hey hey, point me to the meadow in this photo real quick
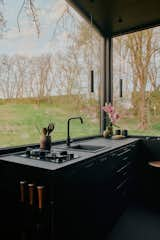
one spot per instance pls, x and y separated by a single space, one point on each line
21 123
132 124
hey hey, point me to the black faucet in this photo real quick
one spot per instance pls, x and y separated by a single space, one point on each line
68 129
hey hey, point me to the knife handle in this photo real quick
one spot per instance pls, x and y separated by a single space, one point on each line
31 187
22 191
40 190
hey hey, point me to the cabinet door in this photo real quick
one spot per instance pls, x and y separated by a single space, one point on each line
123 180
119 199
9 220
19 219
76 200
103 194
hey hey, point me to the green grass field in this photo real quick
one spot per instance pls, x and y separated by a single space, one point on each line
19 123
132 125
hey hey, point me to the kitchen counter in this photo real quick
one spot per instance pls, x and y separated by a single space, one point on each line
81 193
83 154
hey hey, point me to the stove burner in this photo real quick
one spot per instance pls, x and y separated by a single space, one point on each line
59 156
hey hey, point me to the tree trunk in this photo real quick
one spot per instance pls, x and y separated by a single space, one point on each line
143 111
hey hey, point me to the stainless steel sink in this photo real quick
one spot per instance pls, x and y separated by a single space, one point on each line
85 147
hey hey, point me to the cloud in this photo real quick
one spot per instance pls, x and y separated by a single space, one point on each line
54 12
26 48
26 41
25 31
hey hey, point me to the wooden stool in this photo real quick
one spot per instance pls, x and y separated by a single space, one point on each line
154 164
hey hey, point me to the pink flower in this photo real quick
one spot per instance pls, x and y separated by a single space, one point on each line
111 113
108 108
114 117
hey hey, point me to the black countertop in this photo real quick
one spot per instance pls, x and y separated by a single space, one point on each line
83 155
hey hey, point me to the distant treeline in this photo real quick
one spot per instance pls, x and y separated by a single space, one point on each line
35 100
73 100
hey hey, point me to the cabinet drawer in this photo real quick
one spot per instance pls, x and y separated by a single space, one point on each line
123 152
122 176
127 170
120 197
122 159
123 185
123 167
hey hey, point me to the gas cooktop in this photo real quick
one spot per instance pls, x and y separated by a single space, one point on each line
55 156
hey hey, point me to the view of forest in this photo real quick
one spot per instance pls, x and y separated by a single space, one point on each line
137 63
47 52
46 57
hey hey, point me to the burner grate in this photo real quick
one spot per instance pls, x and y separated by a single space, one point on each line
54 156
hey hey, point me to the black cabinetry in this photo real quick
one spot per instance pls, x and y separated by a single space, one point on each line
151 147
150 175
94 193
124 180
25 219
76 200
82 200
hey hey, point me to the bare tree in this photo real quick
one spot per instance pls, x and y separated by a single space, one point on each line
140 50
30 8
2 19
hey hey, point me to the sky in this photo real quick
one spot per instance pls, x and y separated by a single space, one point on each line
26 42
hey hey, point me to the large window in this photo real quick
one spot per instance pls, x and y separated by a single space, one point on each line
136 61
47 52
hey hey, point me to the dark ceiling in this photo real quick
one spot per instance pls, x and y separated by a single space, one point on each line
114 17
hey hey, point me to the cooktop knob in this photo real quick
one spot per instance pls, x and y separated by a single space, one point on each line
63 153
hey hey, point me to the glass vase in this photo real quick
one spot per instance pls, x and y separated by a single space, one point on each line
109 131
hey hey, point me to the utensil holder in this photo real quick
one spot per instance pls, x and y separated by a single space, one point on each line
45 143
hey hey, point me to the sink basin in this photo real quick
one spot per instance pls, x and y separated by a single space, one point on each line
85 147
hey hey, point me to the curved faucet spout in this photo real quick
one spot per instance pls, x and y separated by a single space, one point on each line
68 141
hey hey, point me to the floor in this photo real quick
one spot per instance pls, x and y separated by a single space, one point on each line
140 221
